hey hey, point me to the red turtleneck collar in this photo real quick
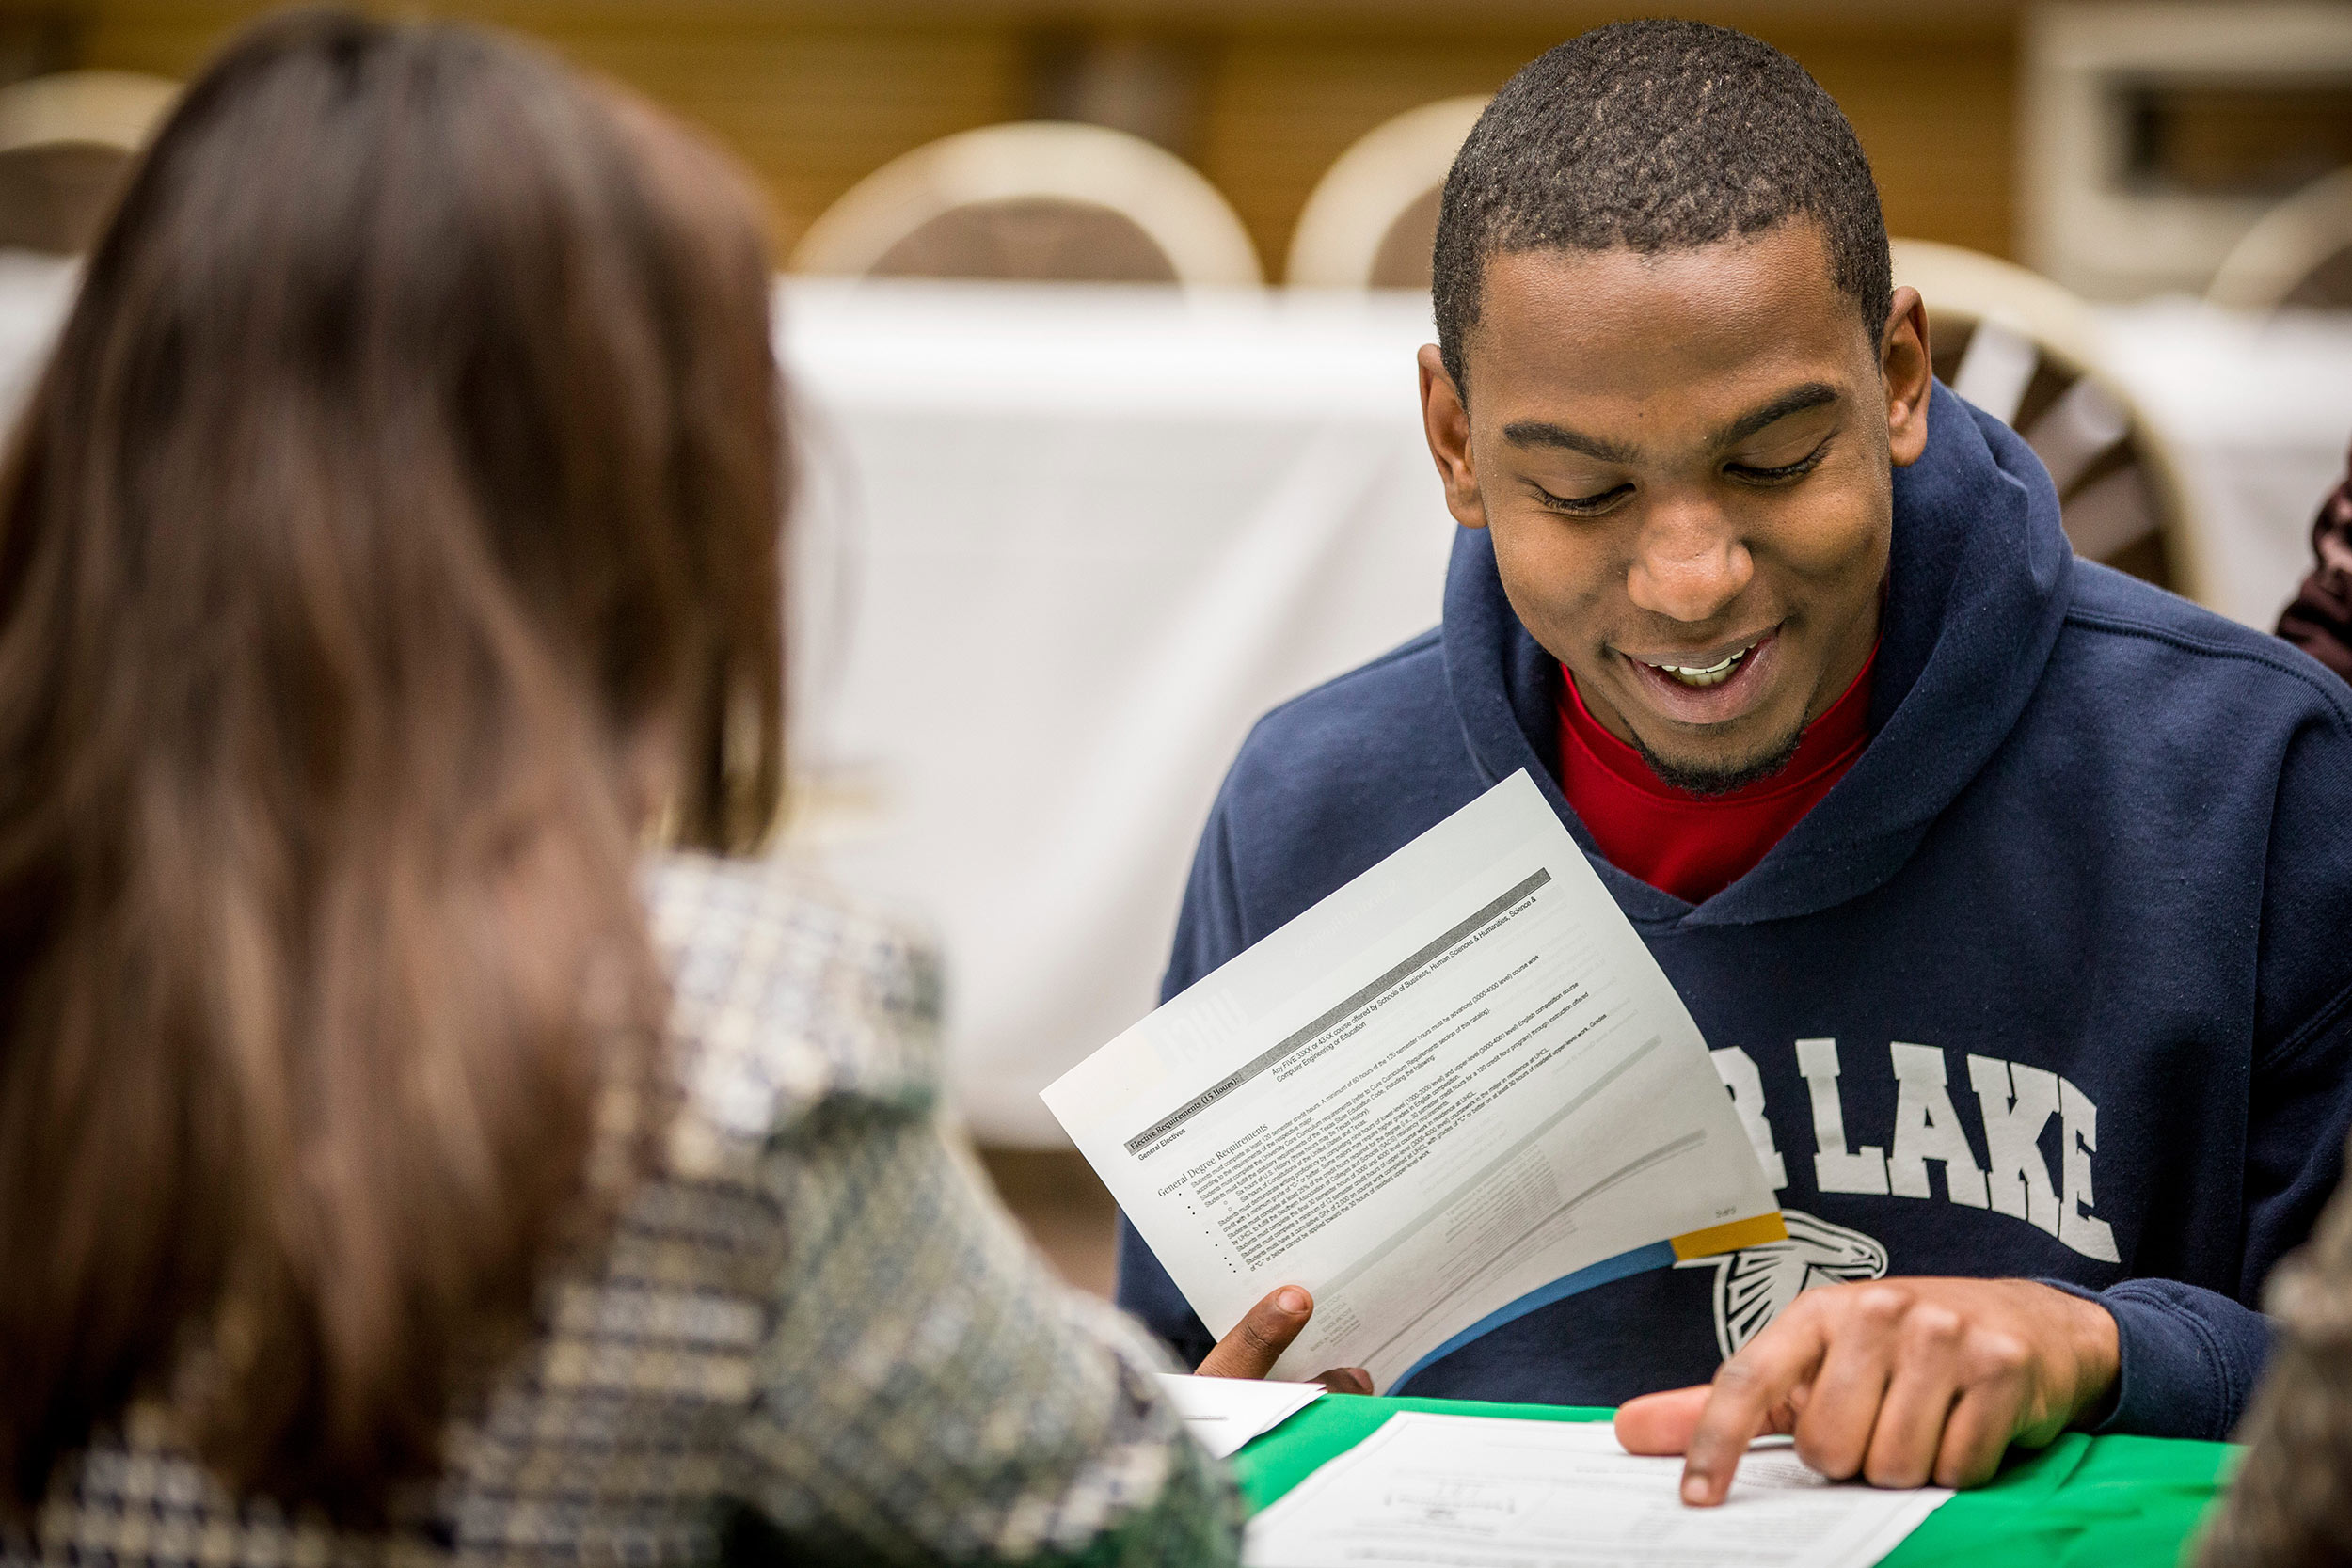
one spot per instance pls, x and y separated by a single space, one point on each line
1696 846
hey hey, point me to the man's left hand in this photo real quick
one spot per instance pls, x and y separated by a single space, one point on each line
1266 1331
1899 1381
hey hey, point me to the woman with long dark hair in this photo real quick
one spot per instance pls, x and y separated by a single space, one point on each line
393 1160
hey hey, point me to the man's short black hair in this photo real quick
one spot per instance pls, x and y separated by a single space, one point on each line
1655 136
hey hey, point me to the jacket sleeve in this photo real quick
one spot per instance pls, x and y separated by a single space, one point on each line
930 1394
2191 1356
927 1391
1208 930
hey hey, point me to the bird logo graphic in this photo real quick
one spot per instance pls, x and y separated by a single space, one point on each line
1754 1284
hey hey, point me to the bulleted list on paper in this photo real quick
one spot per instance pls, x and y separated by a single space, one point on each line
1455 1082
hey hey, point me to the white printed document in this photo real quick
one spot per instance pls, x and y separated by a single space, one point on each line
1224 1413
1476 1492
1454 1091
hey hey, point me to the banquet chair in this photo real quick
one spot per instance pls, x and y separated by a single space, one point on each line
1372 218
66 143
2029 353
1042 200
2297 255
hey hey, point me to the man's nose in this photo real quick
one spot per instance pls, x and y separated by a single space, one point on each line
1689 563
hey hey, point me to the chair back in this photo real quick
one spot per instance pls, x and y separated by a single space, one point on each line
2029 353
1045 201
66 143
2297 255
1371 219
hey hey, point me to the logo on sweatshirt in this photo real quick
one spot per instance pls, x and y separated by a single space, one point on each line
2015 1104
1753 1286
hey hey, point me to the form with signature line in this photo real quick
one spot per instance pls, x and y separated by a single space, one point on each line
1474 1492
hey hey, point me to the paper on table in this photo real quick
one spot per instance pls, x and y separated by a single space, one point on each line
1475 1491
1223 1412
1450 1092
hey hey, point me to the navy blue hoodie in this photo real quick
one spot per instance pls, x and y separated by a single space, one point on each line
2054 983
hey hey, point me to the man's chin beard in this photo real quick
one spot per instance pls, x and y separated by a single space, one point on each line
1722 780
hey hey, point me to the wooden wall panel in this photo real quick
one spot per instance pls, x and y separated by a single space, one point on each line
812 106
813 100
1938 116
1281 107
1935 113
818 109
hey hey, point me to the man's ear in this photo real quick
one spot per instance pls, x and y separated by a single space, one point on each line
1906 372
1445 421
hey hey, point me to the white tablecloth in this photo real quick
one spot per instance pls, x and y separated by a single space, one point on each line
1086 538
1057 548
2259 412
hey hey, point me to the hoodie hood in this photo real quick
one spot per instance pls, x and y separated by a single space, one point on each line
1979 576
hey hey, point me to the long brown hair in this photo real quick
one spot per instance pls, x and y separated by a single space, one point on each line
407 473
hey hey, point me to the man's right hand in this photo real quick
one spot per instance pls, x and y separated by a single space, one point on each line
1265 1332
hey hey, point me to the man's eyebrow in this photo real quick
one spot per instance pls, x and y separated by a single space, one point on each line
1542 433
1794 401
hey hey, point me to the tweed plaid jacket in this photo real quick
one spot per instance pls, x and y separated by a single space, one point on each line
813 1337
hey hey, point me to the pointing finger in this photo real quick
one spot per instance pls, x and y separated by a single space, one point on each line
1747 1390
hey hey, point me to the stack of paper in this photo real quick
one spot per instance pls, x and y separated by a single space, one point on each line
1472 1492
1456 1089
1223 1412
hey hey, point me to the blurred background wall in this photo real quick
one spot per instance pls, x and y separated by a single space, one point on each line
1135 517
1261 95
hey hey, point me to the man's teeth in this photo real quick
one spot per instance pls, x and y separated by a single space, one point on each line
1714 674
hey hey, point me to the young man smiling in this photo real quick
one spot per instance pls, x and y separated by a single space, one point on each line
2009 891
